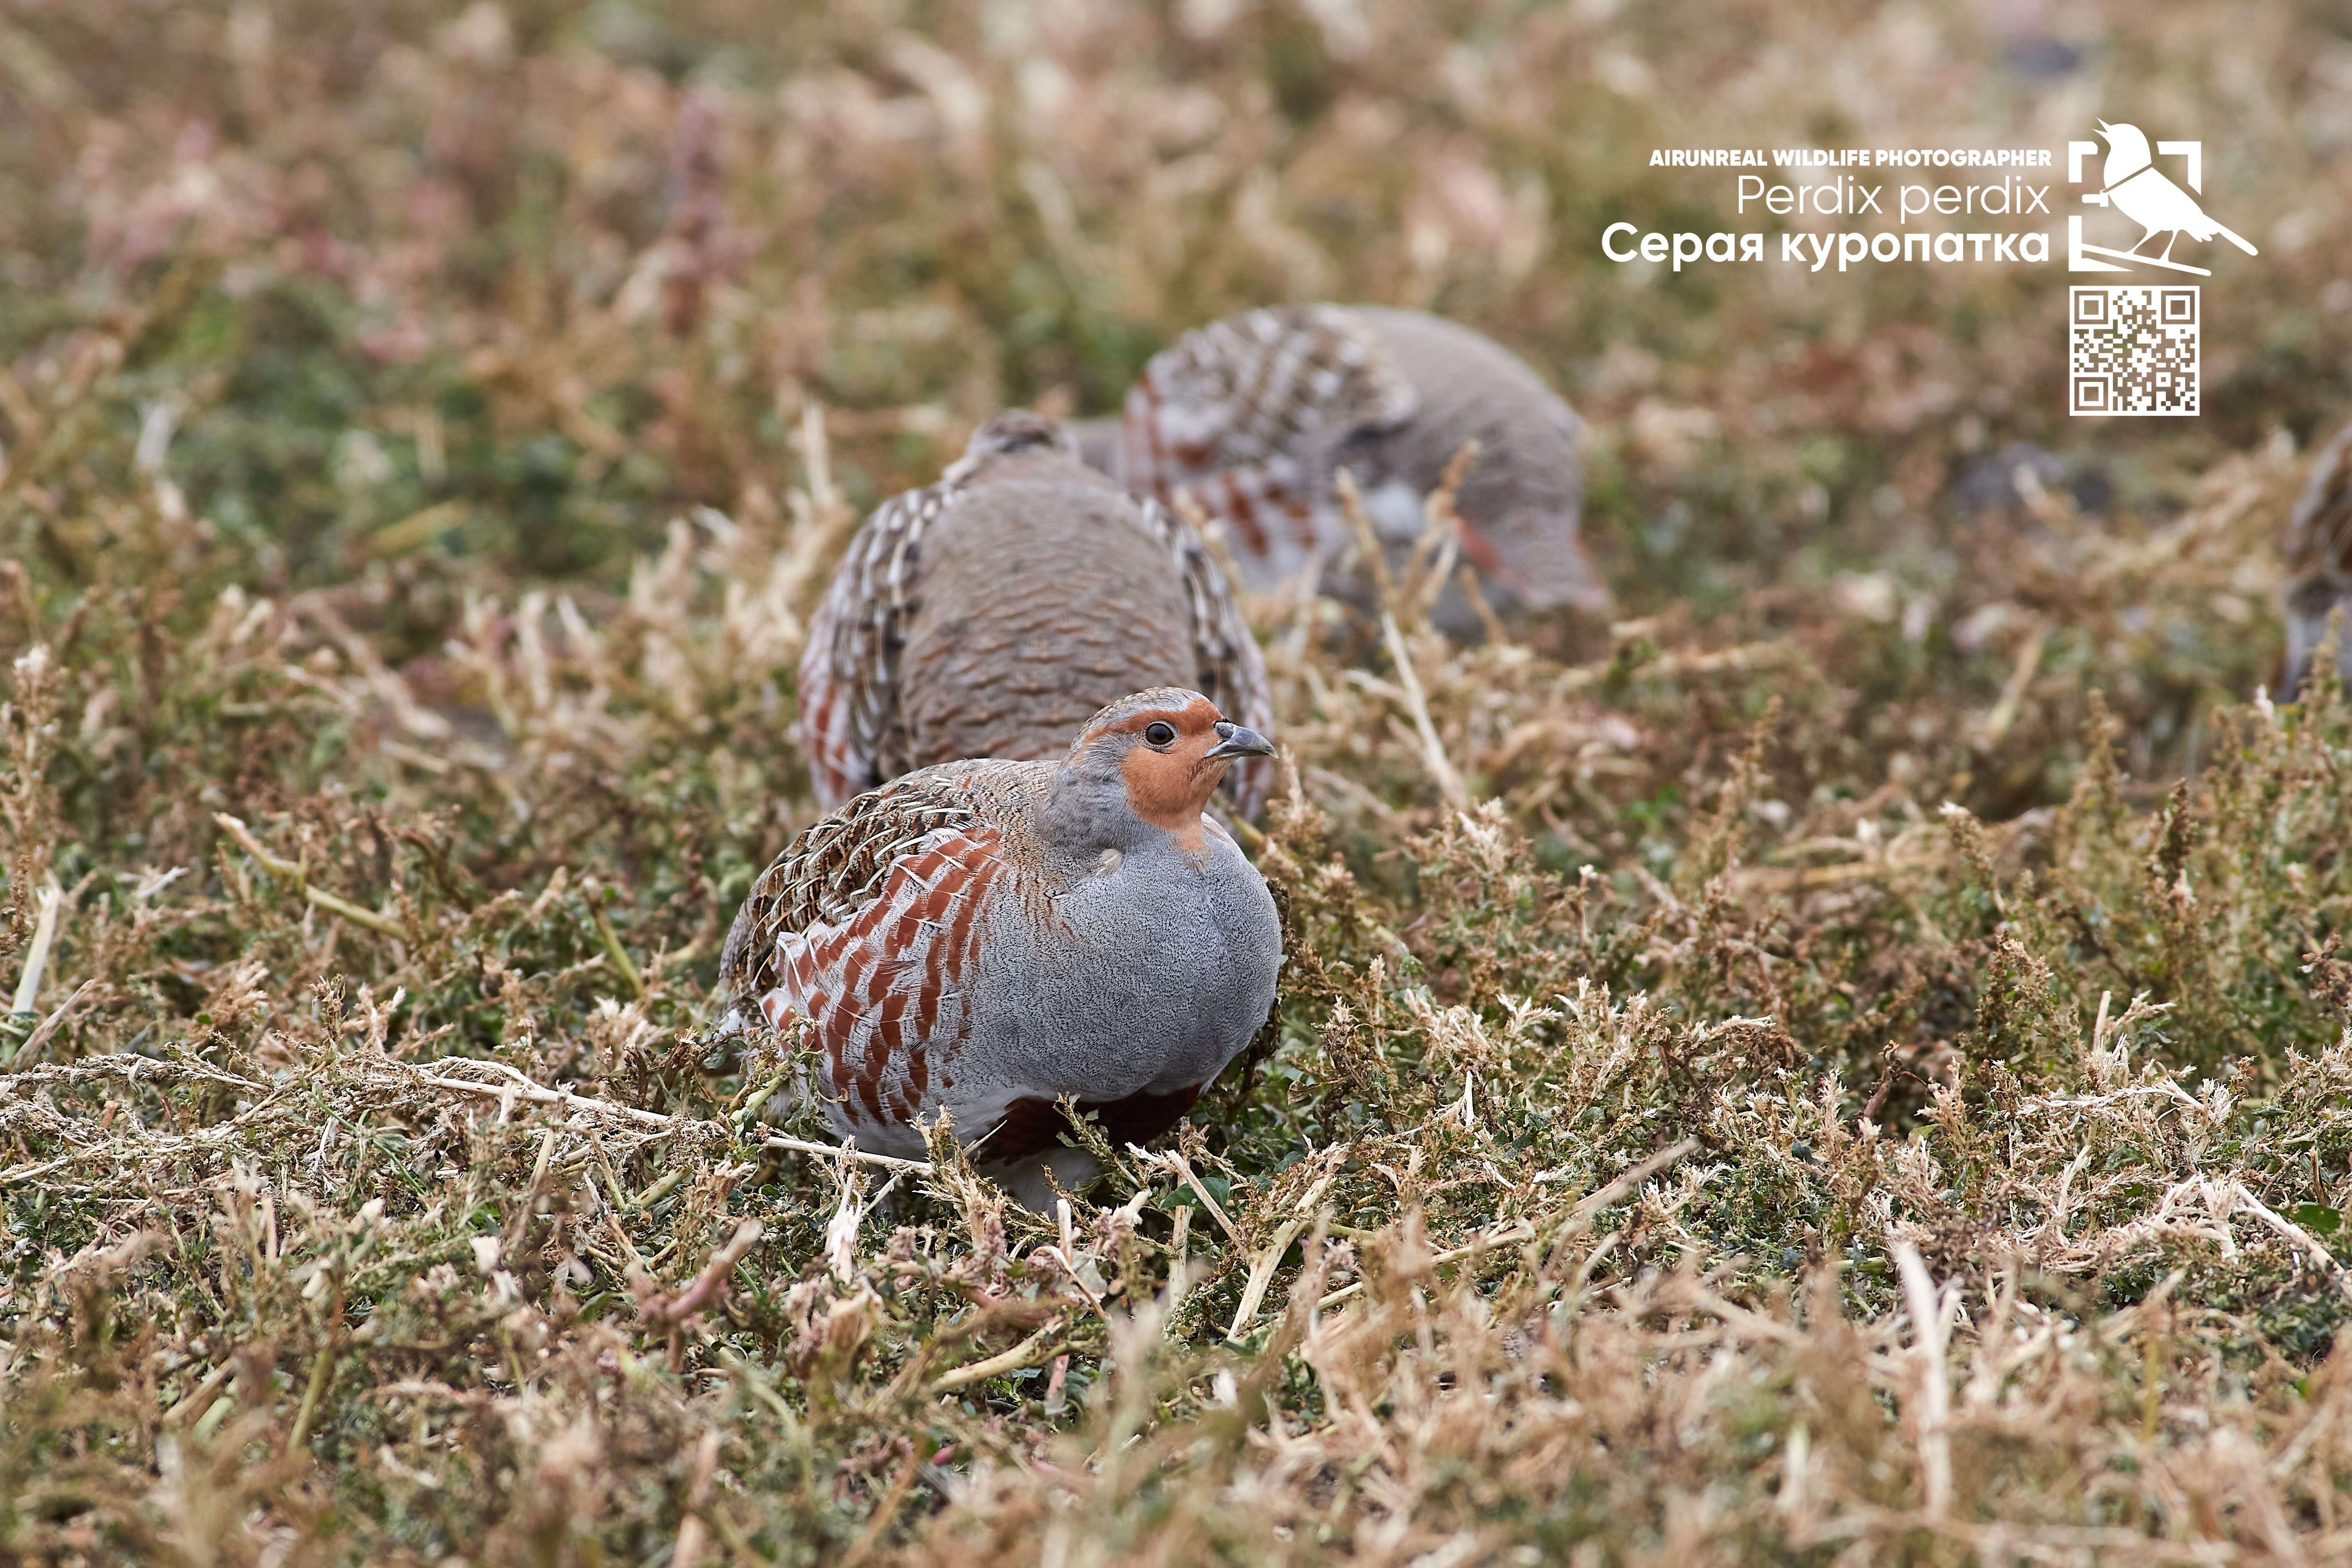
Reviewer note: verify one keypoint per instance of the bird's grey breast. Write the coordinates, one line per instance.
(1162, 966)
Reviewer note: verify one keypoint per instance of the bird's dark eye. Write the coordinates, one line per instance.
(1160, 734)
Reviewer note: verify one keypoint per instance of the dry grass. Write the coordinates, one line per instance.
(1863, 1077)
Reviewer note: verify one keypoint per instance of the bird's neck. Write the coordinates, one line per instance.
(1088, 815)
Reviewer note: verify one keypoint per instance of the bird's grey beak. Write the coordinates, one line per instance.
(1235, 740)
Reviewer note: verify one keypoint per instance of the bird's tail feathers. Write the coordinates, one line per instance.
(2237, 239)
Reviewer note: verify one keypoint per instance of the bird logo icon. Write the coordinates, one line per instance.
(2132, 184)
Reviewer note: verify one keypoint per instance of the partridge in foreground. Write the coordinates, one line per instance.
(1254, 416)
(988, 614)
(986, 937)
(2320, 563)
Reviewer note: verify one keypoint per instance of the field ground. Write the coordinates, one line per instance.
(1859, 1077)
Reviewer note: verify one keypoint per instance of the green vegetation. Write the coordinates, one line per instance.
(1861, 1075)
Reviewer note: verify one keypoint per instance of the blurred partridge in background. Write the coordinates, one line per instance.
(990, 613)
(2319, 561)
(1253, 416)
(986, 937)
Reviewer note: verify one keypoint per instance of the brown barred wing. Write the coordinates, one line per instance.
(2319, 529)
(1264, 386)
(851, 727)
(836, 870)
(1243, 415)
(2319, 551)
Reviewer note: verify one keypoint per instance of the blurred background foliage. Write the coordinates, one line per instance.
(564, 271)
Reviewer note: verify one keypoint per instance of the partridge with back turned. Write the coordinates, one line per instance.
(990, 613)
(1254, 416)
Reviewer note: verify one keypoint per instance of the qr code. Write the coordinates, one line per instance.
(2132, 351)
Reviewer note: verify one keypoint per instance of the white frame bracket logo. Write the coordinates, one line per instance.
(2132, 185)
(2136, 349)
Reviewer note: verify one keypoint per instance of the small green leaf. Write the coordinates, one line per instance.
(2318, 1218)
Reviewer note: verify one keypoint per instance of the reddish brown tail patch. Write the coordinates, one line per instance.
(1034, 1126)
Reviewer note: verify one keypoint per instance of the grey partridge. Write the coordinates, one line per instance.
(987, 937)
(988, 614)
(2319, 561)
(1254, 416)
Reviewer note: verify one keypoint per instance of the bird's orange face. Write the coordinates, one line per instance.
(1176, 757)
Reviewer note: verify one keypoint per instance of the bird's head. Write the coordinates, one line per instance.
(2126, 141)
(1160, 753)
(1016, 432)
